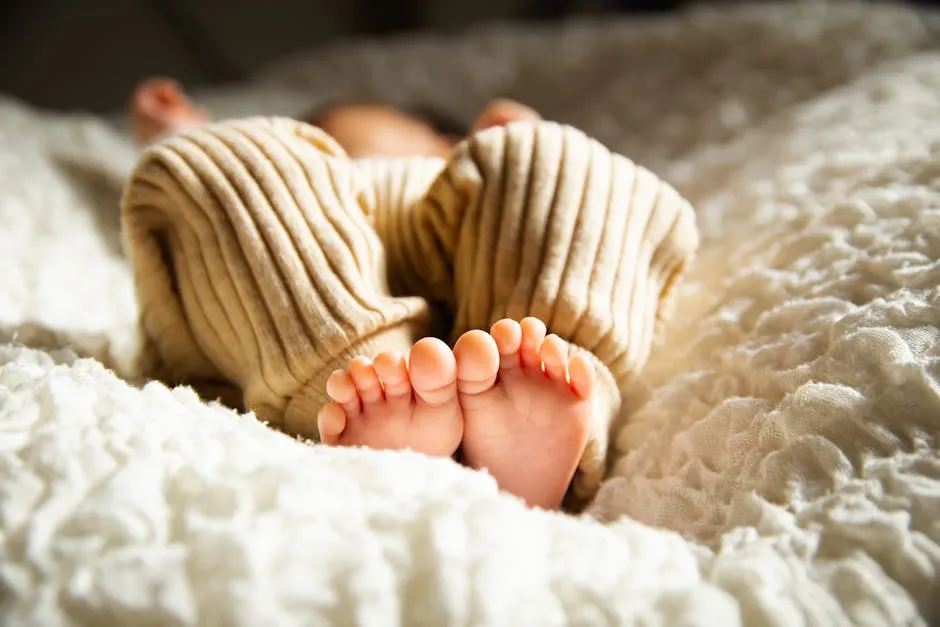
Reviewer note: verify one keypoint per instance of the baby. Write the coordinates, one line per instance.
(299, 266)
(364, 129)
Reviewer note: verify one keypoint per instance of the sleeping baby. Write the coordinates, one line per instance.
(370, 279)
(364, 129)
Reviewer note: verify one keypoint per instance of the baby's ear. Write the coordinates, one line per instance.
(503, 111)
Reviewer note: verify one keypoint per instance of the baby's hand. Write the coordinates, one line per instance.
(503, 111)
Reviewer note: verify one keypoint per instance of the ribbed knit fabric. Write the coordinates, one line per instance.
(541, 220)
(254, 264)
(265, 258)
(395, 188)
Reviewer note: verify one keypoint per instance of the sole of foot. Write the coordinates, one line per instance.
(526, 408)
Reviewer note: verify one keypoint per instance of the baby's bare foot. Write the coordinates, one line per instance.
(158, 107)
(388, 404)
(526, 408)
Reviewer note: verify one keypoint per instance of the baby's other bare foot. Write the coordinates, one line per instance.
(388, 404)
(526, 408)
(159, 106)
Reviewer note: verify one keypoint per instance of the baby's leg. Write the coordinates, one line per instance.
(159, 107)
(538, 220)
(255, 266)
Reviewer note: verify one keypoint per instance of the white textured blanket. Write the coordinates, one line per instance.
(778, 462)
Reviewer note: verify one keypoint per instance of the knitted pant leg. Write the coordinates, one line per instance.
(256, 267)
(540, 220)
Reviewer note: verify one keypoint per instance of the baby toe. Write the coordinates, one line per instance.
(508, 336)
(533, 333)
(341, 388)
(581, 375)
(433, 371)
(477, 358)
(331, 422)
(366, 380)
(554, 355)
(392, 371)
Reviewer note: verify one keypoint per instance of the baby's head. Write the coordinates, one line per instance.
(366, 129)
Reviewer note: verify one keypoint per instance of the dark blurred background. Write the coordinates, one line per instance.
(88, 54)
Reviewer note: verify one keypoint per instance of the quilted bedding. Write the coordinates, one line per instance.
(777, 461)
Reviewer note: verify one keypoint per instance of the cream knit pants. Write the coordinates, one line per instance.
(264, 258)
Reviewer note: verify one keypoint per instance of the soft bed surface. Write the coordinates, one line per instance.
(777, 463)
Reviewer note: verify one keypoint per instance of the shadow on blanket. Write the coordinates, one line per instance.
(99, 191)
(95, 346)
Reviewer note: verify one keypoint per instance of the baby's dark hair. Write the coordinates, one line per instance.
(441, 122)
